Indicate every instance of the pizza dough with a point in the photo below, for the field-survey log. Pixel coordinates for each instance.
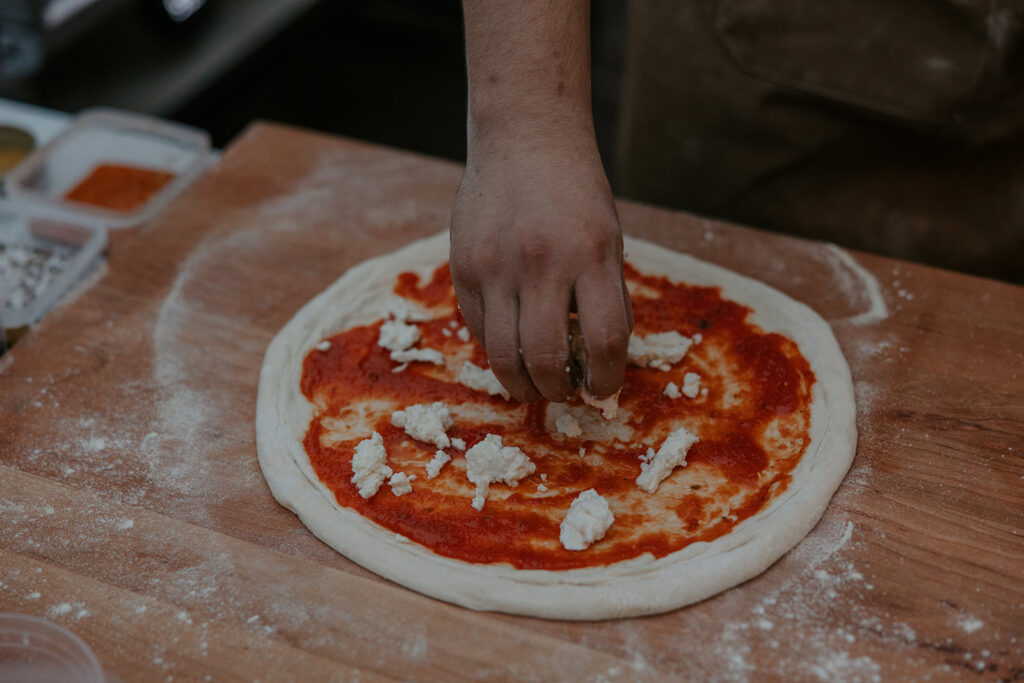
(643, 585)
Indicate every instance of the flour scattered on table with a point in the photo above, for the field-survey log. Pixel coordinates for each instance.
(968, 623)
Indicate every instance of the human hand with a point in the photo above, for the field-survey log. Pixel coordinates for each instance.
(534, 234)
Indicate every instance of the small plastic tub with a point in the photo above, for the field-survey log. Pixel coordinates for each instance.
(117, 167)
(34, 650)
(44, 254)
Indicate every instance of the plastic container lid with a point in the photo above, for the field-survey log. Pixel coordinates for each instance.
(110, 138)
(44, 253)
(34, 650)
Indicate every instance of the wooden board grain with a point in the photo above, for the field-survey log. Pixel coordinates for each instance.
(134, 512)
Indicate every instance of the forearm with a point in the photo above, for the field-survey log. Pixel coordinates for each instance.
(534, 230)
(528, 63)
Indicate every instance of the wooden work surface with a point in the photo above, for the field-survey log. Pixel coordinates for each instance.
(135, 514)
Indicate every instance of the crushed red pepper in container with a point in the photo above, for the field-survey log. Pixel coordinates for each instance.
(116, 167)
(120, 187)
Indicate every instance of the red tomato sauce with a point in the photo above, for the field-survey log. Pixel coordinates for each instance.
(519, 529)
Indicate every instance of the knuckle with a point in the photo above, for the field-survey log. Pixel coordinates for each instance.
(601, 246)
(535, 252)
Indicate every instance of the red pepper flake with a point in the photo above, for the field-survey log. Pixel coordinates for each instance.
(122, 188)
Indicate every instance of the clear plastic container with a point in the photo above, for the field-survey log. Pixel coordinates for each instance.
(34, 650)
(3, 303)
(103, 138)
(44, 253)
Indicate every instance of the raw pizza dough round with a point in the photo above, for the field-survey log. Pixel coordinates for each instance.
(642, 585)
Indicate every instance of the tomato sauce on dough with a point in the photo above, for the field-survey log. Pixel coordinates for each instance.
(752, 419)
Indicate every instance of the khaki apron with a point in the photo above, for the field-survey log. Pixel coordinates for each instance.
(895, 126)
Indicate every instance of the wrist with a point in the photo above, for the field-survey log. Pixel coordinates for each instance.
(510, 132)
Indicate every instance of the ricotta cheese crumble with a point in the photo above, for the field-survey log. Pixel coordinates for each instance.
(587, 521)
(655, 467)
(425, 422)
(435, 465)
(413, 355)
(691, 385)
(401, 483)
(369, 465)
(672, 390)
(568, 425)
(491, 461)
(478, 379)
(396, 335)
(659, 351)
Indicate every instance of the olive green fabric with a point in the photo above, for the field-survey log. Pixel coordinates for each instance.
(895, 126)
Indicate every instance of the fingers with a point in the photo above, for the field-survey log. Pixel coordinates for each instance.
(606, 320)
(544, 337)
(471, 307)
(501, 335)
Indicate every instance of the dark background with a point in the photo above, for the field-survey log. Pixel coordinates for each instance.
(387, 71)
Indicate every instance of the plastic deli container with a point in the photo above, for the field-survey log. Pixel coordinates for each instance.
(34, 650)
(44, 254)
(117, 167)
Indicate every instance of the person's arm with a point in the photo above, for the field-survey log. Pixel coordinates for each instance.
(534, 229)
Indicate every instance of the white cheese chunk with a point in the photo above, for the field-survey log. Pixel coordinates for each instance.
(490, 461)
(435, 465)
(542, 488)
(325, 345)
(478, 379)
(609, 407)
(587, 521)
(425, 422)
(655, 467)
(396, 335)
(369, 465)
(672, 390)
(659, 351)
(446, 332)
(691, 385)
(412, 355)
(697, 338)
(404, 310)
(401, 483)
(568, 425)
(463, 334)
(458, 443)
